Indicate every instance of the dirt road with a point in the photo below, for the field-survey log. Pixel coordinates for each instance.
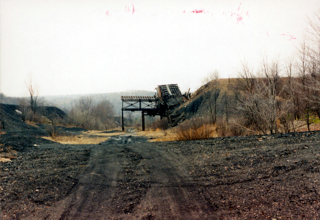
(259, 177)
(126, 178)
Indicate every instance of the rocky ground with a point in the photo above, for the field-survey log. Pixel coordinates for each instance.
(126, 177)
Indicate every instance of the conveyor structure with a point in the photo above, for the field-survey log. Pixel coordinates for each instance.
(166, 98)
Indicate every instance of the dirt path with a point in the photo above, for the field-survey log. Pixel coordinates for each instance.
(130, 181)
(257, 177)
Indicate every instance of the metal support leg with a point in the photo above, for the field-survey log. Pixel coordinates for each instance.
(122, 121)
(143, 126)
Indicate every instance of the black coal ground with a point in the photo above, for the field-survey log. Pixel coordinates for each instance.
(254, 177)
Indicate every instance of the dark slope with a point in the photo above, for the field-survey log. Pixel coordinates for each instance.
(12, 119)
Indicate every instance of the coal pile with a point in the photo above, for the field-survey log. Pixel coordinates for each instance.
(12, 122)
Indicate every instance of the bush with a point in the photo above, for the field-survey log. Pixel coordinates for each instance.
(92, 117)
(195, 129)
(161, 124)
(234, 128)
(35, 117)
(53, 131)
(222, 128)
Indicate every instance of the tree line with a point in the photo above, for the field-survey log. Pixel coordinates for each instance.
(277, 95)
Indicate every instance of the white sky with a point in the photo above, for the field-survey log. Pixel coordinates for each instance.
(99, 46)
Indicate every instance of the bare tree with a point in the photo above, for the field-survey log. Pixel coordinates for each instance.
(290, 94)
(33, 95)
(85, 114)
(270, 91)
(248, 103)
(313, 36)
(226, 106)
(80, 112)
(104, 112)
(260, 98)
(210, 77)
(304, 83)
(1, 112)
(24, 108)
(85, 104)
(246, 78)
(214, 94)
(313, 58)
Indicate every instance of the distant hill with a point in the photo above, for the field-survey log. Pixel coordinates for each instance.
(66, 102)
(199, 101)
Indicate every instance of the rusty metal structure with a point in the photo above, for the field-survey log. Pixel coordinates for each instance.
(167, 97)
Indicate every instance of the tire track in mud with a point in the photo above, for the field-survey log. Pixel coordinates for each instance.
(91, 197)
(130, 179)
(132, 185)
(112, 185)
(173, 193)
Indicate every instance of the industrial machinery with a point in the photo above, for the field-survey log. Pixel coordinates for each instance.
(167, 98)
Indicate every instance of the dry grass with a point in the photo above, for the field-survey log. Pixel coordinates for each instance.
(188, 130)
(31, 123)
(158, 135)
(76, 139)
(195, 130)
(4, 159)
(161, 124)
(107, 133)
(313, 127)
(86, 137)
(7, 156)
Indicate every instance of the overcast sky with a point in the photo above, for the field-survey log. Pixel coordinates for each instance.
(99, 46)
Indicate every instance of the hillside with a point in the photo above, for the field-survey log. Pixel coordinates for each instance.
(202, 98)
(12, 122)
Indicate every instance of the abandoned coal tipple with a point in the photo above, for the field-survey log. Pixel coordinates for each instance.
(167, 98)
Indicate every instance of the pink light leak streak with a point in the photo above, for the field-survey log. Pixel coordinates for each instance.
(127, 9)
(107, 13)
(262, 33)
(239, 17)
(239, 6)
(197, 11)
(289, 36)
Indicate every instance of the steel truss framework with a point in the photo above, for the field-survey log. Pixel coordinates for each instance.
(148, 105)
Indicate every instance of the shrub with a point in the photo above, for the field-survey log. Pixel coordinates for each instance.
(236, 127)
(35, 117)
(53, 131)
(222, 128)
(92, 117)
(161, 124)
(236, 130)
(195, 129)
